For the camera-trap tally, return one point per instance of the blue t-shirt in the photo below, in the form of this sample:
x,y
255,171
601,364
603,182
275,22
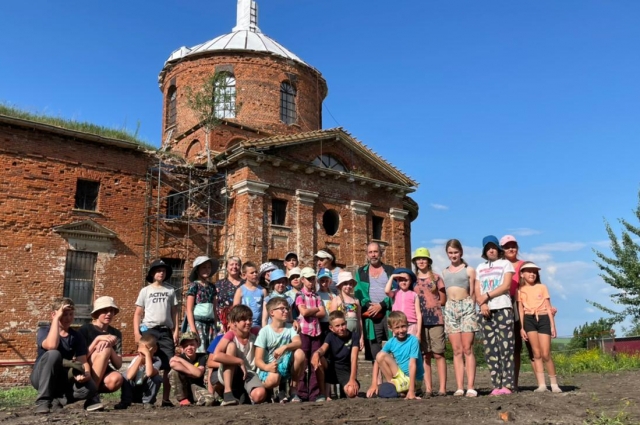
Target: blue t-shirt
x,y
253,299
403,351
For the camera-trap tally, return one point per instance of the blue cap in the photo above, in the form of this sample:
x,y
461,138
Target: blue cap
x,y
324,273
486,241
387,390
277,274
411,274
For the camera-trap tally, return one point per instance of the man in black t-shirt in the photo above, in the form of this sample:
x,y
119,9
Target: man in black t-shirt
x,y
342,347
187,373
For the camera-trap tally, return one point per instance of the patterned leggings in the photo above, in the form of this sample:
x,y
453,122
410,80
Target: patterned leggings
x,y
498,341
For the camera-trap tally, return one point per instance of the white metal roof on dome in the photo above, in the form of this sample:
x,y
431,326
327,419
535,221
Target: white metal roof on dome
x,y
245,36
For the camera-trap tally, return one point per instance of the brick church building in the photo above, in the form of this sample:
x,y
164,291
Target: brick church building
x,y
84,214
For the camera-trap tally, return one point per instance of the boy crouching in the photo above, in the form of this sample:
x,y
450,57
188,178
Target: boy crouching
x,y
142,379
341,347
187,373
400,360
278,350
235,354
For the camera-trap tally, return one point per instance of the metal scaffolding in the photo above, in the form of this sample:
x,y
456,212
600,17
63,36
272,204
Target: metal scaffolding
x,y
185,213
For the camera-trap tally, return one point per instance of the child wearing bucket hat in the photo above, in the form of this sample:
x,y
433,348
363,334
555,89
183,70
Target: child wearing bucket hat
x,y
347,303
277,289
202,303
157,314
432,296
493,281
104,344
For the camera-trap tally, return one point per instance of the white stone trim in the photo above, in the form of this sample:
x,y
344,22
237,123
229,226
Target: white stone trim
x,y
398,214
250,187
360,207
306,196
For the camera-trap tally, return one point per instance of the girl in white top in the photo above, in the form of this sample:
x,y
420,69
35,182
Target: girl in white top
x,y
493,281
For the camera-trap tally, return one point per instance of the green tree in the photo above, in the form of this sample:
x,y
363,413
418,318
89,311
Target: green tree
x,y
212,102
634,329
622,269
588,331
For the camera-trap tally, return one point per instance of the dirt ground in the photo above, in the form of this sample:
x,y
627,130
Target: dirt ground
x,y
586,397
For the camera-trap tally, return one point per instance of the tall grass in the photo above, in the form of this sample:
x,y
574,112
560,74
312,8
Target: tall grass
x,y
594,361
69,124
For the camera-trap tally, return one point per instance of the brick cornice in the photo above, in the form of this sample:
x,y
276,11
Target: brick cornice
x,y
398,214
250,187
360,207
306,197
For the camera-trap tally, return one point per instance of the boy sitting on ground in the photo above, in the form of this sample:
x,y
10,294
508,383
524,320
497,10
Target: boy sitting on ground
x,y
278,350
342,346
57,377
400,360
235,354
142,379
187,373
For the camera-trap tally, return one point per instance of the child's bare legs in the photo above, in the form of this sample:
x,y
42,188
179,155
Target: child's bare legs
x,y
458,360
469,358
541,347
229,371
99,362
427,373
441,364
321,384
387,364
298,369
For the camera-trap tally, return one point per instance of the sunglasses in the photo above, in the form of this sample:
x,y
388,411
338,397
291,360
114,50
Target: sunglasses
x,y
283,309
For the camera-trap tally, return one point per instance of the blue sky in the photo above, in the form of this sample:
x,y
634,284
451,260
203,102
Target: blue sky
x,y
515,117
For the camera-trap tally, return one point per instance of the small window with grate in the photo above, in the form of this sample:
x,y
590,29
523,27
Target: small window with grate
x,y
224,95
288,103
87,195
79,275
176,204
376,225
278,212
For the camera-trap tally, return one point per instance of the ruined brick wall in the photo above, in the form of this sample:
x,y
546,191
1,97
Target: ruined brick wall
x,y
258,78
37,193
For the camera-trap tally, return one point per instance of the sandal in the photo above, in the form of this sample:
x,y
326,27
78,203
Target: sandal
x,y
440,394
458,393
471,393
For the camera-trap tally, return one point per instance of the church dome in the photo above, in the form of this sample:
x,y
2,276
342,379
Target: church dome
x,y
245,36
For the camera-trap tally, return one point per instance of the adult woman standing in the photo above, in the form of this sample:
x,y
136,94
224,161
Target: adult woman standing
x,y
228,285
460,320
510,246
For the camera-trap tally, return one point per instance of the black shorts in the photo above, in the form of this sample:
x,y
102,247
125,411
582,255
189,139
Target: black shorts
x,y
541,325
214,376
166,347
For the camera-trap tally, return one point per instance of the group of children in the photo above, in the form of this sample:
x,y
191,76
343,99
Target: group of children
x,y
291,337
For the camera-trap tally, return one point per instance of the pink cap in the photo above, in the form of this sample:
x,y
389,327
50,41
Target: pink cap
x,y
506,239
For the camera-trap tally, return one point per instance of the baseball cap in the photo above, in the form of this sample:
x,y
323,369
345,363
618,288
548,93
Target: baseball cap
x,y
307,272
506,239
294,271
324,273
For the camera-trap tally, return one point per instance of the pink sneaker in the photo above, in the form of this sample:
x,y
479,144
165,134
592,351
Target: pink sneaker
x,y
504,391
495,392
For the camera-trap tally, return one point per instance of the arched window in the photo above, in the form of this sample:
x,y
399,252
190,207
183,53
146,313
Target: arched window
x,y
172,100
288,103
224,96
330,162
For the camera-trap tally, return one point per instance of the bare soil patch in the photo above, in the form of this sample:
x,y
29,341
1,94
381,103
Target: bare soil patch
x,y
585,398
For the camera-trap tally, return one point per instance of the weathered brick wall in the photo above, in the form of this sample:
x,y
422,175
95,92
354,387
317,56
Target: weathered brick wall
x,y
258,77
37,193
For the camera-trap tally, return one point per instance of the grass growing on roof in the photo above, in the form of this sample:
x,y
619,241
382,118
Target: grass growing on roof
x,y
69,124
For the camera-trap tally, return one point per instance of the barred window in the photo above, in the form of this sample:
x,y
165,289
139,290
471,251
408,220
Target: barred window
x,y
224,96
288,103
87,195
79,275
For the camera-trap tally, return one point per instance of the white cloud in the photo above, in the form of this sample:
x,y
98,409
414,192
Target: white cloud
x,y
560,247
524,231
439,207
439,241
602,244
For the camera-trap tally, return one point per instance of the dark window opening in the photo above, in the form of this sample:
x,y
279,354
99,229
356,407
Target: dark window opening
x,y
176,205
175,281
331,222
87,195
376,225
287,103
172,101
278,212
79,274
224,96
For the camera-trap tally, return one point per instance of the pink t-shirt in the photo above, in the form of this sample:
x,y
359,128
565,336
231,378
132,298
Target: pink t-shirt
x,y
405,301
